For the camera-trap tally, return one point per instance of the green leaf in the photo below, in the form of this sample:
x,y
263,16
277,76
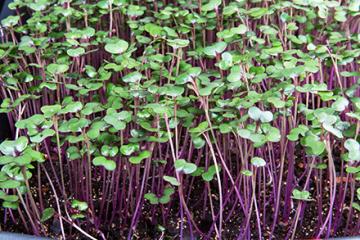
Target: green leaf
x,y
356,206
295,132
333,130
340,14
12,205
312,142
247,173
50,110
8,198
135,11
353,148
164,199
215,49
273,135
323,11
129,149
109,151
351,169
258,162
340,104
77,216
117,46
117,119
277,102
168,191
211,5
226,61
241,29
206,91
266,116
182,166
235,74
9,184
268,30
35,155
178,43
301,195
273,50
132,77
210,173
244,133
55,69
109,165
321,166
174,91
153,29
254,113
79,205
47,214
173,181
225,128
10,21
76,52
71,107
152,198
198,142
354,5
11,148
73,153
23,160
230,9
257,12
38,5
137,159
6,159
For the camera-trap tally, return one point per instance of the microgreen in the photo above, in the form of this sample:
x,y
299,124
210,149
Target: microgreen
x,y
126,115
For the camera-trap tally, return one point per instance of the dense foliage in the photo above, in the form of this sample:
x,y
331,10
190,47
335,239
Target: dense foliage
x,y
181,119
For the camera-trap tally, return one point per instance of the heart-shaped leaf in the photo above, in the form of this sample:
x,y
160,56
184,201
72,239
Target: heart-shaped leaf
x,y
153,29
117,46
132,77
10,21
117,119
316,146
76,52
256,114
50,110
12,148
9,184
258,162
129,149
182,165
107,164
79,205
340,104
301,195
140,157
178,43
47,214
354,149
211,5
210,173
215,49
153,199
173,181
109,151
71,107
55,69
